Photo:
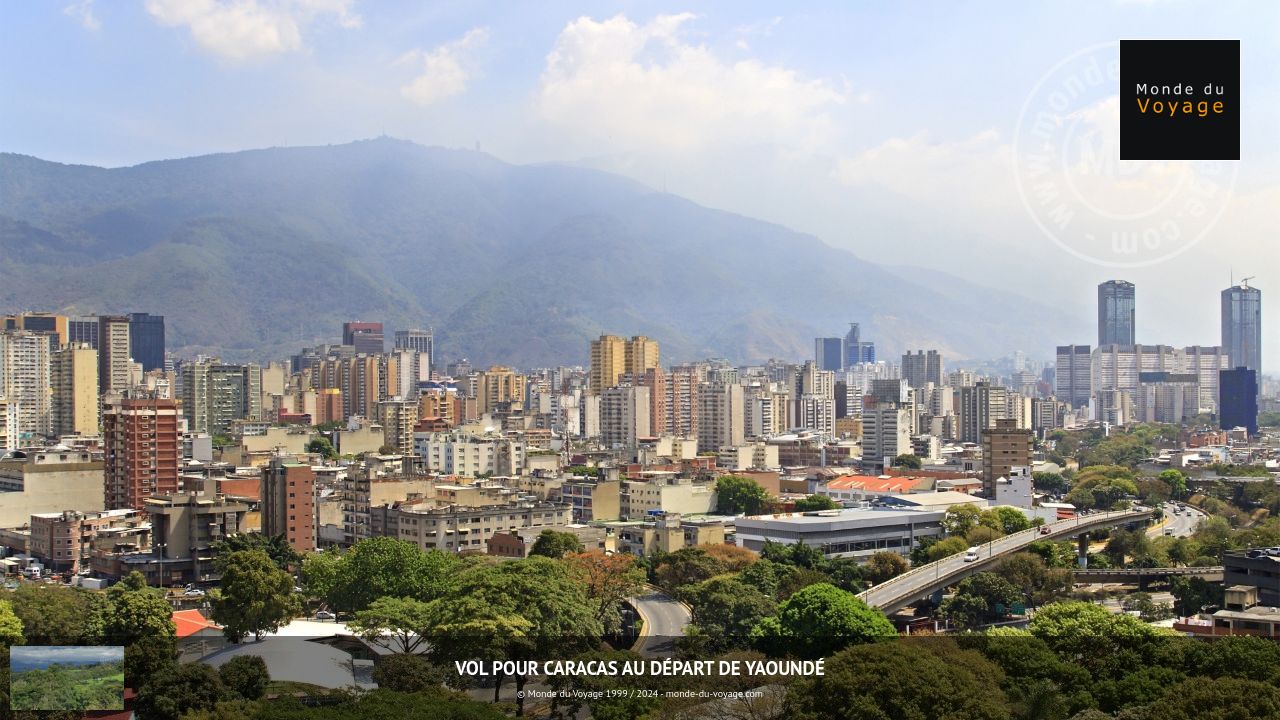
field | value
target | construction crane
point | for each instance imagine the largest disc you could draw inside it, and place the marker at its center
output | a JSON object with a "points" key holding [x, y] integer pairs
{"points": [[1244, 282]]}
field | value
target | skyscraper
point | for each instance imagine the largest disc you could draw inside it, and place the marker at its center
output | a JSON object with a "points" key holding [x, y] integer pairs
{"points": [[74, 381], [1239, 404], [365, 337], [146, 340], [113, 353], [612, 357], [829, 353], [422, 341], [1116, 313], [857, 350], [141, 449], [25, 382], [1242, 326], [1073, 375], [920, 368]]}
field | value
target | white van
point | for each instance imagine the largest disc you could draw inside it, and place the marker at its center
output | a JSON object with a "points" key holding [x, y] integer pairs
{"points": [[971, 554]]}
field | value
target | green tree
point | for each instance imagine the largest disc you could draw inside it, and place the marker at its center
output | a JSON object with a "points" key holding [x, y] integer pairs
{"points": [[965, 611], [960, 519], [1217, 699], [246, 675], [555, 544], [608, 580], [945, 548], [276, 547], [1088, 633], [384, 567], [407, 673], [1050, 482], [908, 461], [1004, 519], [815, 502], [686, 566], [136, 615], [323, 447], [1193, 594], [725, 610], [254, 598], [10, 625], [819, 620], [929, 680], [517, 611], [1034, 579], [738, 495], [884, 566], [178, 690], [1176, 481], [401, 624], [59, 615]]}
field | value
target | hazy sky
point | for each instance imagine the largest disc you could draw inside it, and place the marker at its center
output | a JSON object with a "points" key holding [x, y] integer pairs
{"points": [[885, 128]]}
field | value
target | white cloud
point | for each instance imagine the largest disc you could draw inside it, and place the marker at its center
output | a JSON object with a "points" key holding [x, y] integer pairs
{"points": [[240, 29], [644, 87], [83, 11], [445, 69]]}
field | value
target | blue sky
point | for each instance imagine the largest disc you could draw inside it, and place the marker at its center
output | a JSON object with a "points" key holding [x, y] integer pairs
{"points": [[885, 128]]}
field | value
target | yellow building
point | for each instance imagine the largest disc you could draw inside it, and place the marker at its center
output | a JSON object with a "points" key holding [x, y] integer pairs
{"points": [[74, 378], [497, 386], [612, 357]]}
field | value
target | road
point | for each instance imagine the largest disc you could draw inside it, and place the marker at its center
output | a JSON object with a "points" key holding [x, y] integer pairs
{"points": [[665, 619], [1181, 523], [895, 594]]}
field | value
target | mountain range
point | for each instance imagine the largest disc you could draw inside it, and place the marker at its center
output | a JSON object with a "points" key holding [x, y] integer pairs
{"points": [[254, 254]]}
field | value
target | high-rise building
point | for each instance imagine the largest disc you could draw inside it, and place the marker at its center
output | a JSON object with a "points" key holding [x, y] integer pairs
{"points": [[113, 353], [499, 386], [624, 416], [82, 329], [141, 450], [1116, 303], [1242, 326], [656, 380], [74, 380], [365, 337], [1004, 447], [54, 326], [721, 416], [25, 382], [919, 368], [681, 402], [398, 416], [288, 502], [419, 341], [978, 408], [857, 350], [829, 353], [146, 340], [215, 395], [886, 434], [612, 357], [1073, 375], [1239, 404]]}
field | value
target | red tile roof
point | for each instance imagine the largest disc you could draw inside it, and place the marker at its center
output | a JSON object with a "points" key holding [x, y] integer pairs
{"points": [[191, 622]]}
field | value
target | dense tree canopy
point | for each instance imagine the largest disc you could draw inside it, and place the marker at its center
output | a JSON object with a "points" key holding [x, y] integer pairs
{"points": [[255, 596], [738, 495], [555, 544], [379, 567], [819, 620]]}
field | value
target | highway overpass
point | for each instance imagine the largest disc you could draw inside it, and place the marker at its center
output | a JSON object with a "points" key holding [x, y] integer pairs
{"points": [[1142, 576], [907, 588]]}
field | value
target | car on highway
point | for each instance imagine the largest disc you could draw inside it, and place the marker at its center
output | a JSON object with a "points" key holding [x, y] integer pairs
{"points": [[971, 554], [324, 615], [1045, 529]]}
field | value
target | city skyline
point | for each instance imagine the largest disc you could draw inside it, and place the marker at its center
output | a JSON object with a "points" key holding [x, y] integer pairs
{"points": [[434, 75]]}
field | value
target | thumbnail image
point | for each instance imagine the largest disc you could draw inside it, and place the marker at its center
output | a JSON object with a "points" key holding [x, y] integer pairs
{"points": [[66, 677]]}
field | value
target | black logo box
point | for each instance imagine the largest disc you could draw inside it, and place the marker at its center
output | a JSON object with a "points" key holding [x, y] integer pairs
{"points": [[1186, 65]]}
